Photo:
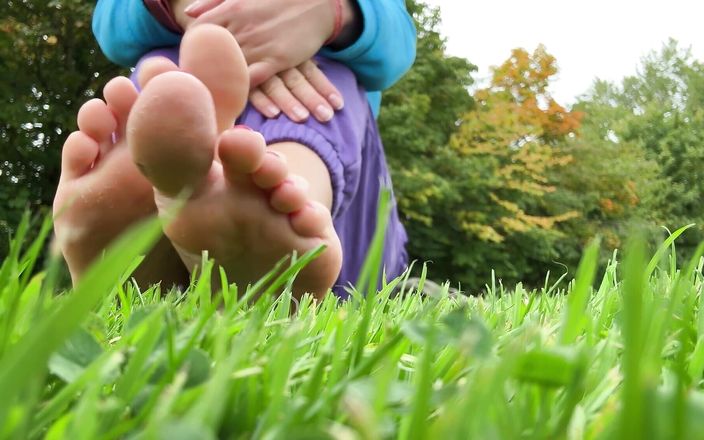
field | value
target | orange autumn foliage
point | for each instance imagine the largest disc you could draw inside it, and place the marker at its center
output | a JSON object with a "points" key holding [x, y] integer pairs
{"points": [[516, 129]]}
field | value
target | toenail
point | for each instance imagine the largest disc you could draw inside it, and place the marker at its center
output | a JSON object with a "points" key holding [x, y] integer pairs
{"points": [[296, 182], [275, 153]]}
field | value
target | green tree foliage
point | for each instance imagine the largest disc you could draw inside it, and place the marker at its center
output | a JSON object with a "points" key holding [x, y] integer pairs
{"points": [[657, 118], [418, 117], [515, 183], [472, 187], [610, 186], [469, 172], [505, 150], [49, 66]]}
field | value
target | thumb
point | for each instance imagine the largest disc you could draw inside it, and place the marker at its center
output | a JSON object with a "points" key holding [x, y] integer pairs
{"points": [[259, 72]]}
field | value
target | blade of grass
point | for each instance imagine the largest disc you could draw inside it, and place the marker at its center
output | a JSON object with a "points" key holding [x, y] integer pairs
{"points": [[577, 299], [26, 360], [663, 248], [635, 422], [369, 276]]}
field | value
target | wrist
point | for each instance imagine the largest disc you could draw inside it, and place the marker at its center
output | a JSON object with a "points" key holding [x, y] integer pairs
{"points": [[350, 27]]}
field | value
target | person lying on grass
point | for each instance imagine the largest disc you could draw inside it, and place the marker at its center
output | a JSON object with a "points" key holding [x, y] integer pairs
{"points": [[260, 191]]}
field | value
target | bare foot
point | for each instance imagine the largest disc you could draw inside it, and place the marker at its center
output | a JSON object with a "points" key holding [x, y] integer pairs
{"points": [[101, 192], [246, 209]]}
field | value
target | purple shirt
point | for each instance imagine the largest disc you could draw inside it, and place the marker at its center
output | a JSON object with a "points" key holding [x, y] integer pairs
{"points": [[351, 148]]}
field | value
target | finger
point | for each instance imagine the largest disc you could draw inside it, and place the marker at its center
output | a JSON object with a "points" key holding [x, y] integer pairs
{"points": [[198, 7], [322, 84], [263, 104], [276, 91], [302, 90], [260, 71]]}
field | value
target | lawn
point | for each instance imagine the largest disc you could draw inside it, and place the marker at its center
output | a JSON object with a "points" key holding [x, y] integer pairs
{"points": [[621, 356]]}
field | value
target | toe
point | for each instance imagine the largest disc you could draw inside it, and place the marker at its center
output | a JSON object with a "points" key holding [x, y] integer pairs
{"points": [[290, 196], [311, 220], [171, 132], [78, 155], [272, 171], [153, 67], [241, 151], [120, 95], [200, 46], [96, 120]]}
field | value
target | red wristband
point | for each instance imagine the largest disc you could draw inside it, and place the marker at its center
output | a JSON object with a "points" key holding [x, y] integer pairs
{"points": [[337, 4], [161, 10]]}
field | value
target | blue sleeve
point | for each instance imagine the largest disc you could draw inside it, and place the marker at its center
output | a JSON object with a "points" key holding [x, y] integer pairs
{"points": [[387, 47], [126, 30]]}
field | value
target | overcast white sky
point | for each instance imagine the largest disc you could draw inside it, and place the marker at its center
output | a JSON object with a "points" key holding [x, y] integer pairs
{"points": [[595, 38]]}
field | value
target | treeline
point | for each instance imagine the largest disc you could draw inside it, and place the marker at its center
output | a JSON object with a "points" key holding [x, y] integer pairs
{"points": [[503, 178], [509, 180]]}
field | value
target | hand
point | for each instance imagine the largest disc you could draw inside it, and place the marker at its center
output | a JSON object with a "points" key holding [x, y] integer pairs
{"points": [[298, 92], [275, 35], [178, 8]]}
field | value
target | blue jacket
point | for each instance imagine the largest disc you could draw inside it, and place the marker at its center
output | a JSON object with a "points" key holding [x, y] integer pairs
{"points": [[385, 50]]}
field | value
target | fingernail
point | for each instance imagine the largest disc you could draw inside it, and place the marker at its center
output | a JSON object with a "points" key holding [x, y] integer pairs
{"points": [[273, 111], [324, 113], [245, 127], [336, 101], [300, 112], [192, 7]]}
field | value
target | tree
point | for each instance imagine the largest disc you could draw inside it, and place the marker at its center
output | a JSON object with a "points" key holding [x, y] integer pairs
{"points": [[50, 64], [659, 111], [418, 117], [508, 145], [610, 184]]}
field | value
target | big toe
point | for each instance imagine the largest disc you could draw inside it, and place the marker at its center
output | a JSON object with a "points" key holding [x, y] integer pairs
{"points": [[212, 54], [171, 132]]}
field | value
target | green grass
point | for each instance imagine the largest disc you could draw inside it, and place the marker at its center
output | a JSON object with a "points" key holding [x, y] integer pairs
{"points": [[623, 359]]}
